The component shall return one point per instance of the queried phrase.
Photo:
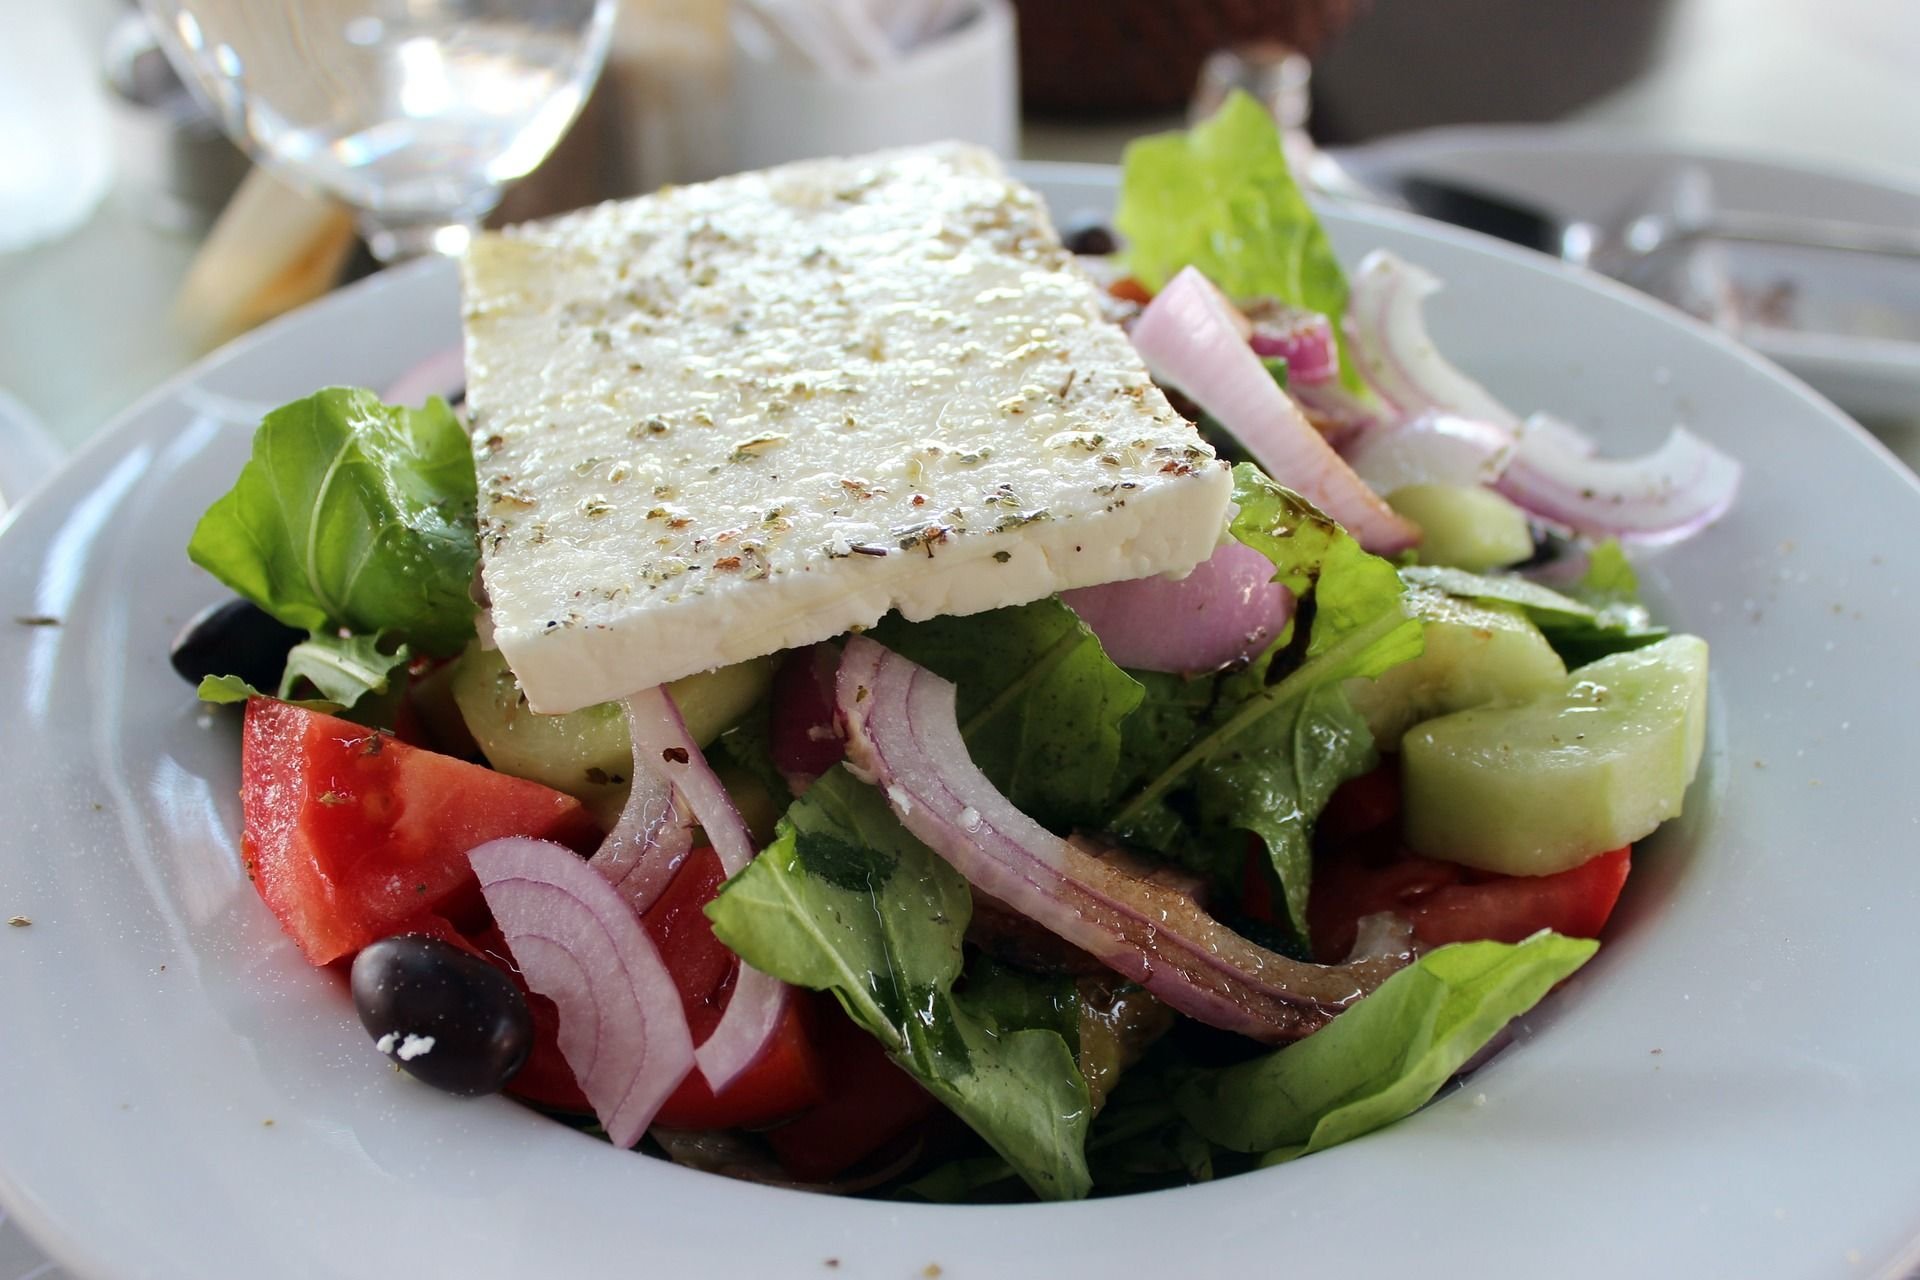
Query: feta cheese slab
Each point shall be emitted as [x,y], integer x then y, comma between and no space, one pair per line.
[730,419]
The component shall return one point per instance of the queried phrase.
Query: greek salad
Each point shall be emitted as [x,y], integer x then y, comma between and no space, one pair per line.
[1137,885]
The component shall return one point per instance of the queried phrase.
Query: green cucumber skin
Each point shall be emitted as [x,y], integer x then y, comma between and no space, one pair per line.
[587,753]
[1540,788]
[1475,654]
[1465,526]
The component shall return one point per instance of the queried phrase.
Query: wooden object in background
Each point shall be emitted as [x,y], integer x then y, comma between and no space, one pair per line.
[271,249]
[1117,57]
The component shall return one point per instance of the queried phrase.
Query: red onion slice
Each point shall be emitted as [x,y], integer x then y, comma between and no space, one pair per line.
[1304,339]
[1431,448]
[655,833]
[1187,339]
[664,749]
[1228,608]
[1657,498]
[904,736]
[1398,359]
[577,942]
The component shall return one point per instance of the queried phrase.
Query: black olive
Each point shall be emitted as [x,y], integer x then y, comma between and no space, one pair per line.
[448,1018]
[1091,240]
[237,638]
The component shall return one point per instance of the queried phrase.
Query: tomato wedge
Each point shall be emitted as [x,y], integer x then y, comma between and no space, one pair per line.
[870,1104]
[1361,866]
[785,1079]
[1449,903]
[789,1077]
[348,832]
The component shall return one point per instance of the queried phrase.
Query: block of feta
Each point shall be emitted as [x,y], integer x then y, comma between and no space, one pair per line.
[729,419]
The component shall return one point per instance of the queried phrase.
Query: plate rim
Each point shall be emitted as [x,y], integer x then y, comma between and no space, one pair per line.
[106,441]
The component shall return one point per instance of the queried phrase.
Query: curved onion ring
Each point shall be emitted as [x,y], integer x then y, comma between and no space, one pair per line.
[577,942]
[1657,498]
[1187,339]
[1396,356]
[904,736]
[1304,339]
[664,749]
[1228,608]
[642,853]
[1431,448]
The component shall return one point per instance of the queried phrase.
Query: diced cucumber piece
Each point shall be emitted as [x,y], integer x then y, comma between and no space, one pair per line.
[1464,525]
[586,753]
[712,702]
[1539,788]
[1475,654]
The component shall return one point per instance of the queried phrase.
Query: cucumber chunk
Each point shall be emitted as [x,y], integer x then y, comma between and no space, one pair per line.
[586,753]
[1475,654]
[1540,788]
[1464,526]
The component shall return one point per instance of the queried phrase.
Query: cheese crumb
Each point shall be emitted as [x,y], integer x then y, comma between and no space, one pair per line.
[406,1048]
[414,1046]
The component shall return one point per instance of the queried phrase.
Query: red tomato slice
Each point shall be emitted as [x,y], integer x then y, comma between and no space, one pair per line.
[349,833]
[786,1078]
[1450,903]
[870,1103]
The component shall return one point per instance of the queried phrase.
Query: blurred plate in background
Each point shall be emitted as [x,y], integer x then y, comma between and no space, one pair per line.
[1847,324]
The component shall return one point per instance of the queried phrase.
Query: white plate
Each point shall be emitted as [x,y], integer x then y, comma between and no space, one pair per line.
[1589,175]
[1732,1088]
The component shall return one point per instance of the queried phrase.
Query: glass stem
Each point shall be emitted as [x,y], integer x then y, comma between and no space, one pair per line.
[400,239]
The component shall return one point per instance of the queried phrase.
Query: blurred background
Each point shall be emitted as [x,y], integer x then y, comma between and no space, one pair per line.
[134,235]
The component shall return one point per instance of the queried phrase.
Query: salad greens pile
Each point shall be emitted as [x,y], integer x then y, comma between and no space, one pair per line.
[355,522]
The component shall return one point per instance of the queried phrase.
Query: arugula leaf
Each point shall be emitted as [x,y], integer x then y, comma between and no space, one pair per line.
[1014,999]
[1578,632]
[1219,197]
[973,1180]
[1276,777]
[352,515]
[342,668]
[846,900]
[1261,753]
[1383,1058]
[1040,703]
[226,690]
[1141,1142]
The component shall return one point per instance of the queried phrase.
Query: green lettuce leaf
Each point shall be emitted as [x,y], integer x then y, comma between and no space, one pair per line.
[1261,750]
[352,516]
[1040,703]
[1579,632]
[1220,197]
[1383,1058]
[846,900]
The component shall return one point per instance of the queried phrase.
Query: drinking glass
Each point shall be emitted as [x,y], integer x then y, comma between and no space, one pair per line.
[415,112]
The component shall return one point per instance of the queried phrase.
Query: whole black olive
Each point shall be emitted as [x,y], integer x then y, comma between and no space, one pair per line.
[237,638]
[448,1018]
[1092,239]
